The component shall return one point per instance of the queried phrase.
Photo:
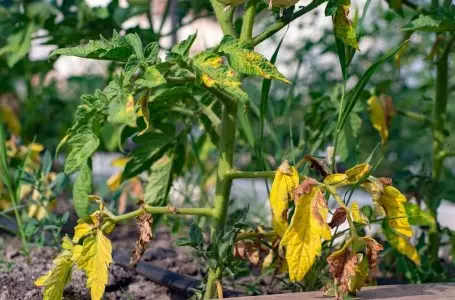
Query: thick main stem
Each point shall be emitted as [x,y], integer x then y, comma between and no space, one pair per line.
[248,22]
[223,186]
[439,119]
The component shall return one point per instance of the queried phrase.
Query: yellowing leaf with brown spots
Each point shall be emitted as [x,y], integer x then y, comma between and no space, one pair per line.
[351,176]
[248,62]
[306,232]
[285,181]
[94,260]
[81,230]
[343,27]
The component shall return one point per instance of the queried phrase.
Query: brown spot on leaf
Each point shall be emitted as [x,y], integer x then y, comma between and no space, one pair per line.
[342,266]
[285,168]
[144,225]
[318,164]
[338,218]
[304,187]
[373,249]
[385,180]
[254,252]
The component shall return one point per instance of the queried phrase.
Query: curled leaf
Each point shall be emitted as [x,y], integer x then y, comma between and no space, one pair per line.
[372,250]
[401,243]
[144,225]
[338,218]
[342,266]
[318,164]
[343,27]
[285,181]
[381,112]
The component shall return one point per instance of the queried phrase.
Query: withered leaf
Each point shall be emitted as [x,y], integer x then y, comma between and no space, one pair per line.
[338,218]
[372,251]
[342,266]
[251,251]
[385,180]
[318,164]
[144,225]
[304,187]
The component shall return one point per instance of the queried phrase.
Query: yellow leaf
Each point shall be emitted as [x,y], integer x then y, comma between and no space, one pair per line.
[381,111]
[285,181]
[114,181]
[35,147]
[10,118]
[362,271]
[333,179]
[120,162]
[55,280]
[402,245]
[145,114]
[357,215]
[393,203]
[81,230]
[343,27]
[303,237]
[94,260]
[350,177]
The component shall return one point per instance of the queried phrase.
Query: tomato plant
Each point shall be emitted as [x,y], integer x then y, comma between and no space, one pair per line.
[160,104]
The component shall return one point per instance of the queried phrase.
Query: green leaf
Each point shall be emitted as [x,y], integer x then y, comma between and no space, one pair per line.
[348,137]
[183,48]
[196,234]
[184,241]
[151,53]
[151,147]
[4,171]
[245,126]
[419,217]
[18,44]
[423,23]
[117,49]
[343,27]
[248,62]
[354,94]
[81,190]
[331,8]
[213,74]
[159,182]
[82,146]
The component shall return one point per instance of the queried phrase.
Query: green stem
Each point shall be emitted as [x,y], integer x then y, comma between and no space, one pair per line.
[246,34]
[338,130]
[340,202]
[415,116]
[223,186]
[14,201]
[155,210]
[224,18]
[272,29]
[248,174]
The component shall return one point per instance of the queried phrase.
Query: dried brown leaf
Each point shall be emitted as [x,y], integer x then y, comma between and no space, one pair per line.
[342,266]
[372,251]
[318,164]
[338,218]
[144,225]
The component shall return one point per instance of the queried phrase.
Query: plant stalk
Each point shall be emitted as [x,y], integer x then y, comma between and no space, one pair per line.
[250,174]
[155,210]
[223,187]
[224,18]
[246,34]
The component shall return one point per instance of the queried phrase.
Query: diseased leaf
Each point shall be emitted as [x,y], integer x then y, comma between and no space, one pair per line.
[213,74]
[338,218]
[381,111]
[81,230]
[117,49]
[144,225]
[343,27]
[82,188]
[55,280]
[372,251]
[342,265]
[350,177]
[318,164]
[121,110]
[304,235]
[94,260]
[401,243]
[285,181]
[393,203]
[248,62]
[357,215]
